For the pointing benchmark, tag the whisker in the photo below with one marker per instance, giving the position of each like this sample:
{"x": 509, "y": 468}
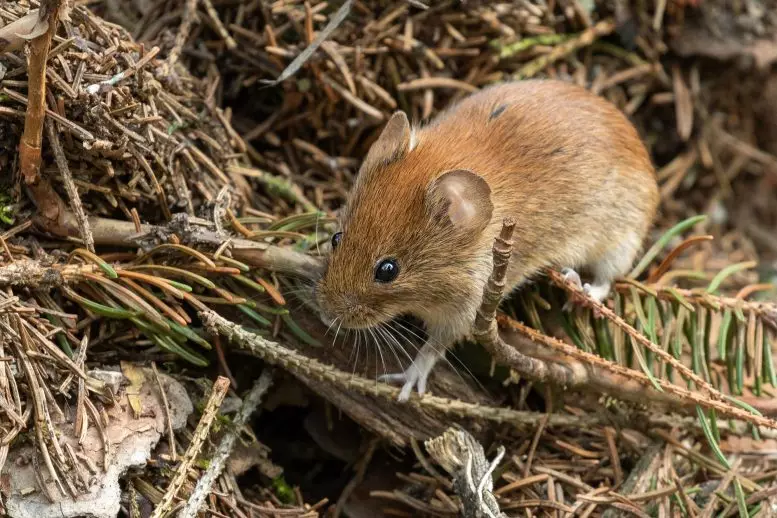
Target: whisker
{"x": 375, "y": 347}
{"x": 387, "y": 330}
{"x": 356, "y": 348}
{"x": 380, "y": 351}
{"x": 338, "y": 328}
{"x": 389, "y": 340}
{"x": 329, "y": 328}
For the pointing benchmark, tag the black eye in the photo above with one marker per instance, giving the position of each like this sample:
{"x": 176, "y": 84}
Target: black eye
{"x": 336, "y": 239}
{"x": 387, "y": 270}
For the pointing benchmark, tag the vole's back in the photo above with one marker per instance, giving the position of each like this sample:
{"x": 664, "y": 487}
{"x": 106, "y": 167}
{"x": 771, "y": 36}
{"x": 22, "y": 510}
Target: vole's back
{"x": 567, "y": 165}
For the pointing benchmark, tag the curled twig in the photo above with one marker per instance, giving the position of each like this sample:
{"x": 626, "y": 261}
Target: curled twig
{"x": 485, "y": 329}
{"x": 463, "y": 457}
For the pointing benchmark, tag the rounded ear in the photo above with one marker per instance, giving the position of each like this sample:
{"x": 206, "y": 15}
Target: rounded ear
{"x": 392, "y": 144}
{"x": 464, "y": 197}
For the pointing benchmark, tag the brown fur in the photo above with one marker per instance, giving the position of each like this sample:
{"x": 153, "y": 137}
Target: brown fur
{"x": 565, "y": 164}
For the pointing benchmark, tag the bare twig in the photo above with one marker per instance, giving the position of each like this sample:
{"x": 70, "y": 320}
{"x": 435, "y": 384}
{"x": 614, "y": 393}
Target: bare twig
{"x": 300, "y": 60}
{"x": 70, "y": 187}
{"x": 189, "y": 15}
{"x": 168, "y": 421}
{"x": 214, "y": 17}
{"x": 106, "y": 85}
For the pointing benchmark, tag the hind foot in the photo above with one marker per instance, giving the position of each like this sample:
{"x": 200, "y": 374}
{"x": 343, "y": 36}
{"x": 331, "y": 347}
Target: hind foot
{"x": 597, "y": 291}
{"x": 572, "y": 276}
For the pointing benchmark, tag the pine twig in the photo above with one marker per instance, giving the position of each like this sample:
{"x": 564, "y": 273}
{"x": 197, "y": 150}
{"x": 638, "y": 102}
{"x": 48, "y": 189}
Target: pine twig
{"x": 602, "y": 381}
{"x": 189, "y": 15}
{"x": 715, "y": 399}
{"x": 592, "y": 371}
{"x": 337, "y": 18}
{"x": 562, "y": 50}
{"x": 166, "y": 406}
{"x": 224, "y": 450}
{"x": 220, "y": 388}
{"x": 303, "y": 366}
{"x": 214, "y": 17}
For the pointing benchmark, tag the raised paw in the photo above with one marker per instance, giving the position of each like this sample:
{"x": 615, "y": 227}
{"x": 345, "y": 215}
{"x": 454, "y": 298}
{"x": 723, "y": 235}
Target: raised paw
{"x": 572, "y": 276}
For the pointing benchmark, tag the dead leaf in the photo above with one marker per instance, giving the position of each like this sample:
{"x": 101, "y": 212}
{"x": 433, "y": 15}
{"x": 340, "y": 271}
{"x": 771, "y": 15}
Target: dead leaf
{"x": 136, "y": 378}
{"x": 14, "y": 35}
{"x": 747, "y": 445}
{"x": 247, "y": 456}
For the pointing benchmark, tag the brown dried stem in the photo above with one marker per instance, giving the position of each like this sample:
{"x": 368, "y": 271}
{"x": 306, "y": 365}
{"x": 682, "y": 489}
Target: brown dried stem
{"x": 67, "y": 178}
{"x": 50, "y": 205}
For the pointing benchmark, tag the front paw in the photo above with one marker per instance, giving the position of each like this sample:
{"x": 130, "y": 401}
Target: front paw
{"x": 410, "y": 379}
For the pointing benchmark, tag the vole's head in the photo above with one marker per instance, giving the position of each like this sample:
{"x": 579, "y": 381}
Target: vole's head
{"x": 411, "y": 235}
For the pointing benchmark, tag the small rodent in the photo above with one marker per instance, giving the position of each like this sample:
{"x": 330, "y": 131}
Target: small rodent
{"x": 417, "y": 231}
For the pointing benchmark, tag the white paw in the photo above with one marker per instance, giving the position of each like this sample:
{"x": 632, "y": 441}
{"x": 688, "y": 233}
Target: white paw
{"x": 410, "y": 379}
{"x": 571, "y": 276}
{"x": 598, "y": 292}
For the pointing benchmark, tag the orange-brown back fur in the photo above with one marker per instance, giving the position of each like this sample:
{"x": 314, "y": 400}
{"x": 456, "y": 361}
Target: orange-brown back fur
{"x": 565, "y": 164}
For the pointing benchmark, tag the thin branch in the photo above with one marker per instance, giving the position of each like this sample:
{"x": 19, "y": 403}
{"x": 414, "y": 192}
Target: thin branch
{"x": 214, "y": 17}
{"x": 189, "y": 15}
{"x": 220, "y": 388}
{"x": 340, "y": 15}
{"x": 70, "y": 187}
{"x": 166, "y": 406}
{"x": 224, "y": 450}
{"x": 194, "y": 232}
